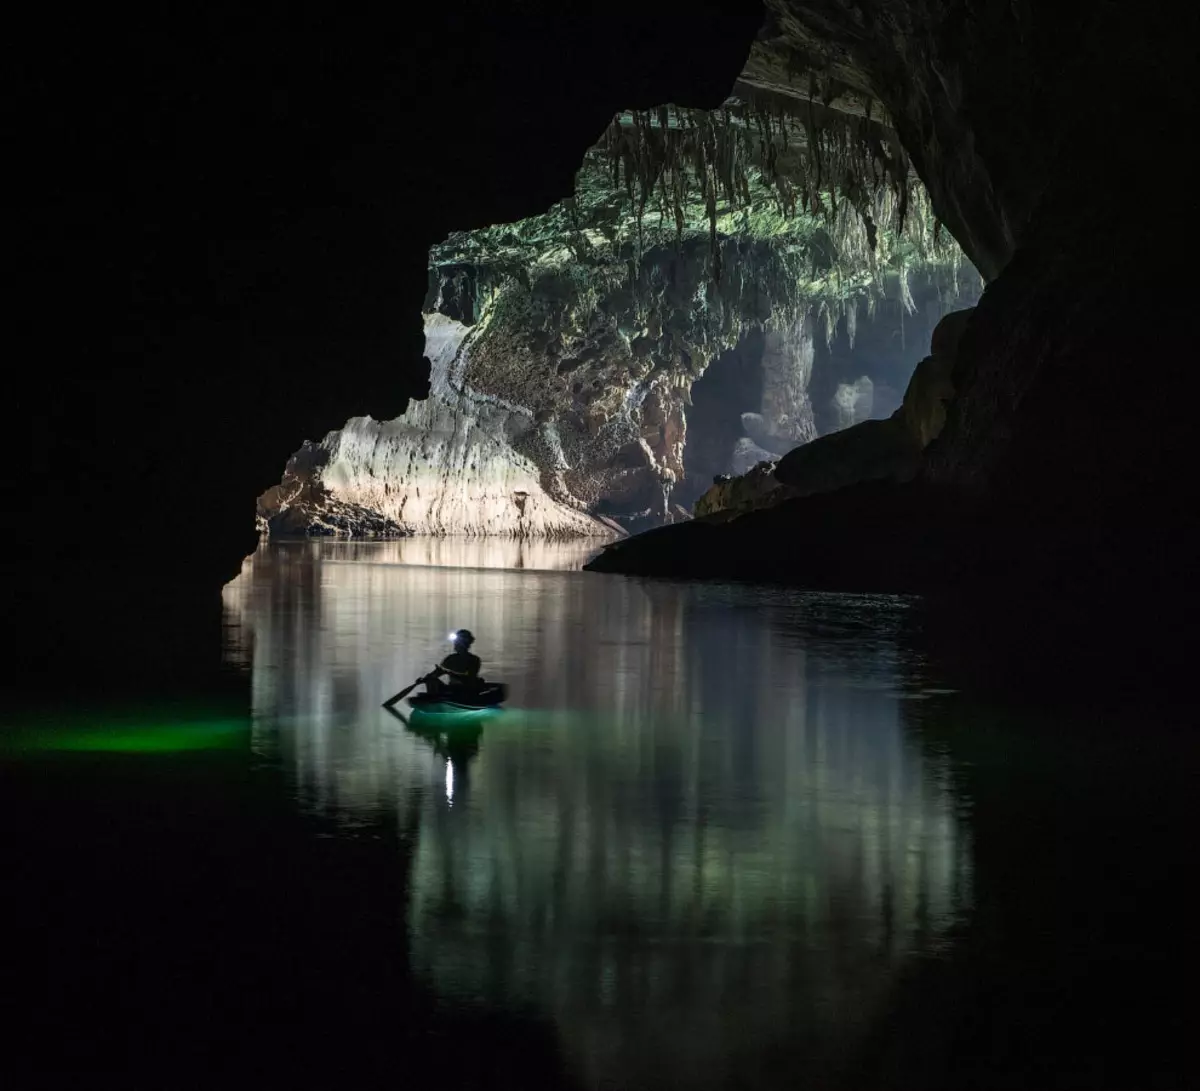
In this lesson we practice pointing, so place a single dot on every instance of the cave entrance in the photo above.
(730, 386)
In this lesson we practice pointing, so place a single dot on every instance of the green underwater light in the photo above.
(156, 735)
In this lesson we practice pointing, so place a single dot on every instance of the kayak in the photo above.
(488, 697)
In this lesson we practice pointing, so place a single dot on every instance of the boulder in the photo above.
(730, 496)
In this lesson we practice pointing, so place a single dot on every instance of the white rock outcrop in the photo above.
(854, 402)
(447, 466)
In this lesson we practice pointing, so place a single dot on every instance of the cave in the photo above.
(730, 386)
(841, 340)
(235, 263)
(270, 309)
(566, 348)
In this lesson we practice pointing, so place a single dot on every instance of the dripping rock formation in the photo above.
(699, 305)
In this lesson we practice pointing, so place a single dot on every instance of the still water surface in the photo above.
(721, 837)
(699, 829)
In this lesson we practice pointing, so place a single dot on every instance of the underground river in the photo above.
(722, 836)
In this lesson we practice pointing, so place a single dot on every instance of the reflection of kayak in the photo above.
(448, 703)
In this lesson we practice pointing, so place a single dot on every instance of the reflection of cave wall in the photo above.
(679, 875)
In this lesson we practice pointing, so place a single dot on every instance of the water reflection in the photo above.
(698, 836)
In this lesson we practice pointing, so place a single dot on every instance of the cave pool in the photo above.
(723, 836)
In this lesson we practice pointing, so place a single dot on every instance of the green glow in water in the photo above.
(151, 736)
(447, 717)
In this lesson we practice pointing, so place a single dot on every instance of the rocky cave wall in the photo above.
(1048, 504)
(812, 382)
(1029, 150)
(581, 334)
(450, 465)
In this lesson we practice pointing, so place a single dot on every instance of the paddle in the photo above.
(403, 693)
(399, 716)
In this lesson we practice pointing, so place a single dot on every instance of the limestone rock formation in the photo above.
(854, 402)
(871, 450)
(747, 455)
(757, 488)
(448, 466)
(586, 330)
(787, 364)
(583, 335)
(877, 449)
(868, 451)
(931, 387)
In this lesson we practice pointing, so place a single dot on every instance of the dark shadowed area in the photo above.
(222, 246)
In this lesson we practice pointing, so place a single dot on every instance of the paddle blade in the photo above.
(402, 694)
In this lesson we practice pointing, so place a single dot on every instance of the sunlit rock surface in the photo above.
(786, 415)
(869, 450)
(448, 466)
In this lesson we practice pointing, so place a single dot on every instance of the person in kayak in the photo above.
(460, 667)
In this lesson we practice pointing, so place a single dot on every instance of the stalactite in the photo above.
(801, 207)
(846, 153)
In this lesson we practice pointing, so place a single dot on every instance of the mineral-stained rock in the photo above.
(302, 506)
(448, 466)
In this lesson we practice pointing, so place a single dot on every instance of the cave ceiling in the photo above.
(817, 187)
